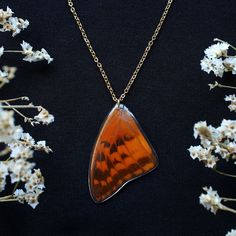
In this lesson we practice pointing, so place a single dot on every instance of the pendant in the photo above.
(121, 153)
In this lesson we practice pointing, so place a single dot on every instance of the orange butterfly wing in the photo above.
(121, 153)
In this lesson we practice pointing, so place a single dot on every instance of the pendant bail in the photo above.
(118, 102)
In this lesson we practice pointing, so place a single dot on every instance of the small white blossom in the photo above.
(5, 14)
(36, 181)
(20, 170)
(232, 100)
(9, 132)
(204, 155)
(30, 197)
(228, 128)
(44, 117)
(27, 138)
(211, 200)
(230, 64)
(212, 86)
(3, 174)
(213, 64)
(10, 23)
(217, 50)
(20, 151)
(232, 232)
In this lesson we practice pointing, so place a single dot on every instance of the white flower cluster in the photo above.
(17, 166)
(34, 187)
(232, 232)
(211, 200)
(17, 147)
(34, 56)
(217, 60)
(216, 143)
(10, 23)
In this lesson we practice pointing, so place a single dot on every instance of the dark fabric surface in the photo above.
(169, 96)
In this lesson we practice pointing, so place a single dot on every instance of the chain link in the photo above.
(141, 61)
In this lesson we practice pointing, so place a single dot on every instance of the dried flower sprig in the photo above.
(17, 146)
(217, 143)
(30, 55)
(217, 60)
(10, 23)
(19, 150)
(43, 116)
(213, 202)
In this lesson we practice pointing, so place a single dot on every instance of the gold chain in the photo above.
(99, 64)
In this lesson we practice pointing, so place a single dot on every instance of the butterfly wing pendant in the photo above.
(121, 153)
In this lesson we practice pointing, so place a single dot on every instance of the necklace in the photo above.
(121, 152)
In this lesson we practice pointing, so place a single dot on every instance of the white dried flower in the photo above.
(232, 100)
(30, 197)
(217, 50)
(211, 200)
(5, 14)
(34, 56)
(230, 64)
(44, 117)
(20, 170)
(1, 51)
(212, 86)
(3, 174)
(204, 155)
(9, 132)
(216, 59)
(232, 232)
(36, 181)
(10, 23)
(20, 151)
(228, 129)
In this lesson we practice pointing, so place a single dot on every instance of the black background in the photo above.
(169, 96)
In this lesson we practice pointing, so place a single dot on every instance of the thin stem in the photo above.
(16, 185)
(5, 151)
(15, 51)
(222, 41)
(224, 208)
(225, 86)
(9, 200)
(19, 106)
(6, 197)
(14, 109)
(226, 199)
(15, 99)
(223, 173)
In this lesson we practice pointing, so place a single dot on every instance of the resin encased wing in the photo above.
(121, 153)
